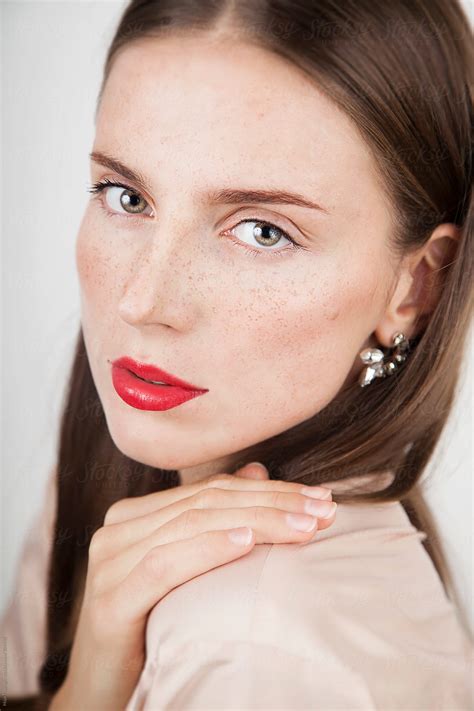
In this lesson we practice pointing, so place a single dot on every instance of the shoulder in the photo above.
(371, 553)
(365, 593)
(361, 603)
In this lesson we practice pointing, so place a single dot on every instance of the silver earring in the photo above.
(377, 366)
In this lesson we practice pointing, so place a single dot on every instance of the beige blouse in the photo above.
(355, 619)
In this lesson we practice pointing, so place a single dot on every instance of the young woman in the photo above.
(280, 231)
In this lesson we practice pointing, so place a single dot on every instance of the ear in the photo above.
(419, 284)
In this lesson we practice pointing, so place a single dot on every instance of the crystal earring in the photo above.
(377, 367)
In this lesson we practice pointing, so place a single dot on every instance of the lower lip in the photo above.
(147, 396)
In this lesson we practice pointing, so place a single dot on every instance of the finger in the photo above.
(257, 470)
(254, 470)
(270, 525)
(327, 521)
(131, 508)
(116, 537)
(165, 567)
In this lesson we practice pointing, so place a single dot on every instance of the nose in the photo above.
(155, 291)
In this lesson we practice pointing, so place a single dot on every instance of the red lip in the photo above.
(126, 378)
(151, 372)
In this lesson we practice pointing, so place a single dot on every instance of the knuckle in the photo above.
(115, 512)
(97, 545)
(260, 513)
(205, 498)
(152, 564)
(187, 521)
(219, 480)
(277, 499)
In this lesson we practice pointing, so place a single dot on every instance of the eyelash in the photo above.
(98, 188)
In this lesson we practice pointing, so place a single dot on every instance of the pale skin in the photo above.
(273, 338)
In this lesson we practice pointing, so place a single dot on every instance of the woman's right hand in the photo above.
(150, 545)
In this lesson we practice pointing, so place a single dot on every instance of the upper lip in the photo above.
(151, 372)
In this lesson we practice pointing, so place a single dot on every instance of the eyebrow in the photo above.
(226, 196)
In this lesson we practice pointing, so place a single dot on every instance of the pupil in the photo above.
(265, 232)
(130, 200)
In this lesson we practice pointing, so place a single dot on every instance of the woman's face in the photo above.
(272, 331)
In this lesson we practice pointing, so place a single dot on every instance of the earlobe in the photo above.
(419, 285)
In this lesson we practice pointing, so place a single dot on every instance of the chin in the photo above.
(141, 443)
(136, 446)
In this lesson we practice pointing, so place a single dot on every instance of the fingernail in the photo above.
(321, 509)
(301, 522)
(257, 464)
(241, 536)
(317, 492)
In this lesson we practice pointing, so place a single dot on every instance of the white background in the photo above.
(52, 59)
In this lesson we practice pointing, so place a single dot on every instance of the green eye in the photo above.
(264, 235)
(120, 198)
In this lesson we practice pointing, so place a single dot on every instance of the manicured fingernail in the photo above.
(301, 522)
(321, 509)
(317, 492)
(257, 464)
(241, 536)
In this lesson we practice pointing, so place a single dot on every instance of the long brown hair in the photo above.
(402, 69)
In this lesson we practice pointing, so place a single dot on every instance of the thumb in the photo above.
(253, 470)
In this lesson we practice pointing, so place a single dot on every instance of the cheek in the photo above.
(293, 347)
(99, 274)
(97, 268)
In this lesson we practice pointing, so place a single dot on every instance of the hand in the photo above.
(151, 544)
(255, 470)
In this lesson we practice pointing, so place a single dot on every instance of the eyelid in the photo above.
(262, 214)
(99, 187)
(127, 185)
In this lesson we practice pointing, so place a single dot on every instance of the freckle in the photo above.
(333, 313)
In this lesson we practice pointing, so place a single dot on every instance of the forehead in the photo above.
(198, 108)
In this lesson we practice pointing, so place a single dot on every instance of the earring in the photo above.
(374, 359)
